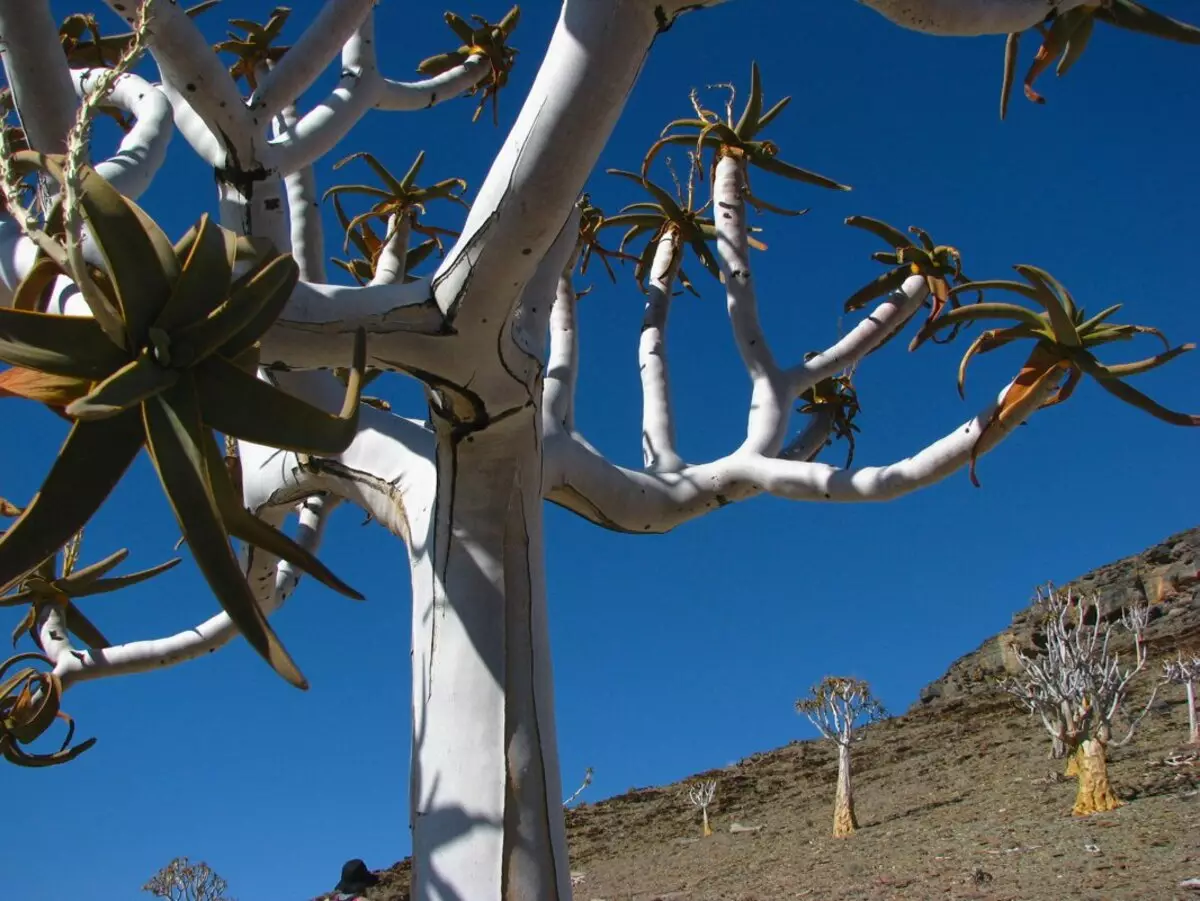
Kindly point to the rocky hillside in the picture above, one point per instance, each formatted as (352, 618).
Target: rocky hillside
(957, 798)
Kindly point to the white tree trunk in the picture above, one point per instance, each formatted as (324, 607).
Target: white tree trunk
(486, 789)
(844, 821)
(1193, 726)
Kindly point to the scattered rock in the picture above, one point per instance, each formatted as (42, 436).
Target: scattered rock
(738, 828)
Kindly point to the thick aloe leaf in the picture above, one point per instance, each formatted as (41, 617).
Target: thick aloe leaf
(175, 436)
(82, 627)
(769, 116)
(138, 258)
(795, 173)
(1132, 396)
(880, 286)
(226, 328)
(752, 112)
(32, 289)
(207, 264)
(1135, 17)
(244, 525)
(659, 145)
(1121, 370)
(55, 391)
(1077, 43)
(985, 312)
(1012, 47)
(124, 389)
(239, 404)
(116, 583)
(669, 206)
(1089, 325)
(985, 343)
(97, 570)
(88, 467)
(60, 345)
(1057, 302)
(893, 237)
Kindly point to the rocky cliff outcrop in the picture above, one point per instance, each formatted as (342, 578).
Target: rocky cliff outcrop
(1166, 575)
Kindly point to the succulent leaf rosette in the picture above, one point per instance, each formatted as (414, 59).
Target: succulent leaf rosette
(740, 138)
(1064, 338)
(1067, 35)
(486, 40)
(169, 356)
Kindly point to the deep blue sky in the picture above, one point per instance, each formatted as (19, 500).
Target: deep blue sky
(679, 653)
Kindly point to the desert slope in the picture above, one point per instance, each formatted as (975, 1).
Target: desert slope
(957, 797)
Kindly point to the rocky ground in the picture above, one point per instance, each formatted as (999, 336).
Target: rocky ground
(956, 799)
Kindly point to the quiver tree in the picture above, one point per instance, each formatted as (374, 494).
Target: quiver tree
(181, 880)
(1078, 687)
(701, 796)
(1185, 671)
(232, 334)
(841, 709)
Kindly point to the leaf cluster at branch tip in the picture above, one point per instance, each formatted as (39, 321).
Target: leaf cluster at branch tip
(169, 357)
(1064, 338)
(1068, 34)
(486, 40)
(255, 50)
(399, 199)
(30, 703)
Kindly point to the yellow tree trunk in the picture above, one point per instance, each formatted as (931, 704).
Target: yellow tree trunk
(844, 821)
(1095, 795)
(1072, 764)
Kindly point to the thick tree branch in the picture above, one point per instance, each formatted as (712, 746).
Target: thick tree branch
(658, 415)
(580, 479)
(590, 66)
(390, 266)
(562, 368)
(769, 395)
(142, 151)
(386, 470)
(37, 73)
(193, 77)
(321, 128)
(871, 333)
(407, 96)
(310, 55)
(304, 212)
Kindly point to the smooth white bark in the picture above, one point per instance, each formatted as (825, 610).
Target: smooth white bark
(389, 268)
(966, 18)
(579, 478)
(562, 369)
(486, 788)
(873, 331)
(658, 415)
(309, 56)
(37, 73)
(142, 151)
(594, 57)
(769, 389)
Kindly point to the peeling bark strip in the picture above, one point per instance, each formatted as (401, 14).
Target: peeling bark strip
(1095, 794)
(484, 756)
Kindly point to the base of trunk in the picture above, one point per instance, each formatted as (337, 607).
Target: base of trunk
(844, 821)
(1095, 794)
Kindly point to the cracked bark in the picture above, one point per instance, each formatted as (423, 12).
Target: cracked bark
(484, 750)
(1095, 794)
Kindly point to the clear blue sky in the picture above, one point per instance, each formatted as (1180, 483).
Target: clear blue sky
(678, 653)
